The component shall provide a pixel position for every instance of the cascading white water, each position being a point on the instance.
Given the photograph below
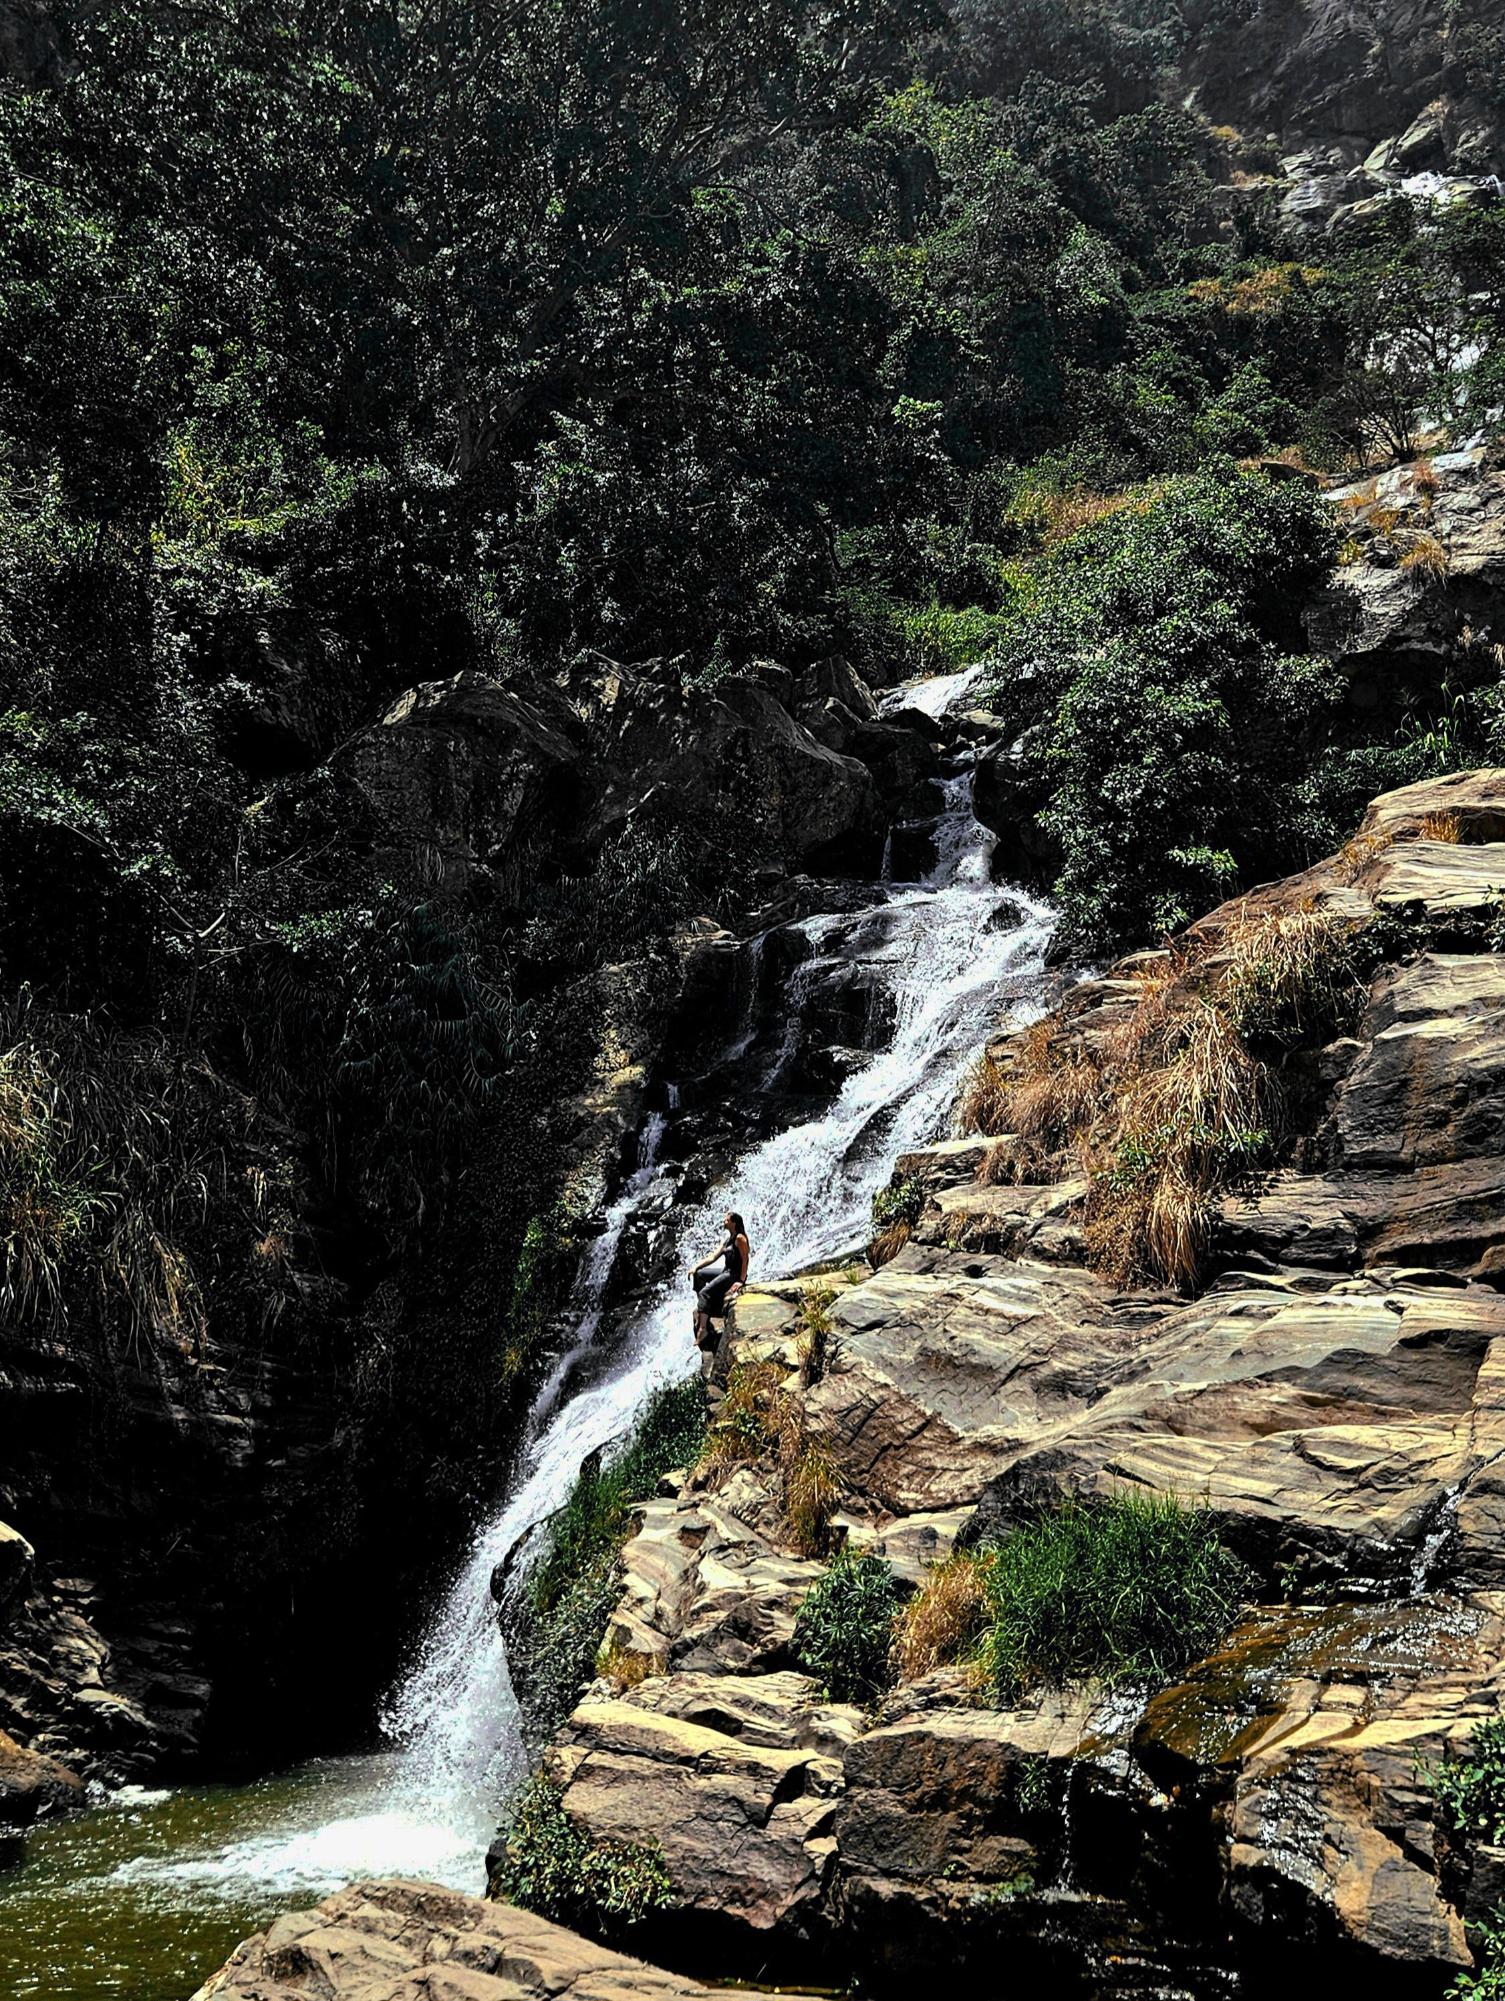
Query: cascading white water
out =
(948, 954)
(948, 962)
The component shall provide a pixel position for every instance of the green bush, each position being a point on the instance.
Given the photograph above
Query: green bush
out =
(555, 1632)
(900, 1202)
(1127, 1589)
(550, 1866)
(846, 1627)
(1471, 1790)
(1167, 715)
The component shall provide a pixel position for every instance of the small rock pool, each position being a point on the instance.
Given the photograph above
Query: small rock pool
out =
(142, 1897)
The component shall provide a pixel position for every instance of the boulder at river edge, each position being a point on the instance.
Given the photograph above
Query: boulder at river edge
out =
(397, 1941)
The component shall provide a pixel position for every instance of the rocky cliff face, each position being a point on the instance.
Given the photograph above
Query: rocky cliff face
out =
(1329, 1388)
(1331, 106)
(205, 1527)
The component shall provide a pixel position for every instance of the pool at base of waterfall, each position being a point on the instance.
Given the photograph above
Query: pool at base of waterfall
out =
(146, 1894)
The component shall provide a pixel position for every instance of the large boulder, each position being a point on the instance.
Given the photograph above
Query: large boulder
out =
(744, 1825)
(729, 751)
(460, 778)
(33, 1786)
(17, 1560)
(402, 1941)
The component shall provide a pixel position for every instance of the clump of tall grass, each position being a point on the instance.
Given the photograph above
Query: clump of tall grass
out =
(111, 1153)
(1445, 826)
(1131, 1588)
(944, 1619)
(1183, 1097)
(758, 1421)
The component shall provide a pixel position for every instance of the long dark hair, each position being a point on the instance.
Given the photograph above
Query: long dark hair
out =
(739, 1228)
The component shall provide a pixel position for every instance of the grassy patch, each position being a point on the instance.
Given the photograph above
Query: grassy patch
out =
(550, 1866)
(1128, 1589)
(1184, 1097)
(845, 1628)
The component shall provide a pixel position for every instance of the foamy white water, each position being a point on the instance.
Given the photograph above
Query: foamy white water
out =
(948, 953)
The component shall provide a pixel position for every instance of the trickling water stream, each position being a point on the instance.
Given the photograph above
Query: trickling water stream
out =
(947, 953)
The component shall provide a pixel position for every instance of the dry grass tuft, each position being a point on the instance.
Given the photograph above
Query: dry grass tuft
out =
(808, 1489)
(943, 1618)
(889, 1241)
(746, 1422)
(625, 1666)
(1425, 482)
(1426, 557)
(1184, 1096)
(1356, 855)
(1442, 827)
(983, 1104)
(758, 1420)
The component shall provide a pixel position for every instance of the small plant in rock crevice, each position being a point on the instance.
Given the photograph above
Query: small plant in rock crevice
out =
(1470, 1789)
(845, 1629)
(552, 1867)
(896, 1210)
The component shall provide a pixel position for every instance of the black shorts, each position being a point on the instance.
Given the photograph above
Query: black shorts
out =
(711, 1297)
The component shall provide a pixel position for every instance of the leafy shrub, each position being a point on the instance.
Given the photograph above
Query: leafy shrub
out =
(1128, 1589)
(1172, 716)
(1470, 1790)
(1487, 1981)
(846, 1626)
(550, 1866)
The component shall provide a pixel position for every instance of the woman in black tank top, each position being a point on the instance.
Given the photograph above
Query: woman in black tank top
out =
(719, 1278)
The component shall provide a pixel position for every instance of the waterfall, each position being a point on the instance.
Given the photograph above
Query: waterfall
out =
(947, 955)
(949, 951)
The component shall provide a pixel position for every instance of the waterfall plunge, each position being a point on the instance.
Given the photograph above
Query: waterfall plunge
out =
(949, 952)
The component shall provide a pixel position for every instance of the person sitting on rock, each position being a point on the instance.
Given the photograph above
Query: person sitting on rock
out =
(725, 1275)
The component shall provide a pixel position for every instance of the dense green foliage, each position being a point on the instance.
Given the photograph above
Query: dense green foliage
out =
(556, 1628)
(550, 1866)
(347, 347)
(1128, 1589)
(845, 1628)
(1172, 720)
(1470, 1790)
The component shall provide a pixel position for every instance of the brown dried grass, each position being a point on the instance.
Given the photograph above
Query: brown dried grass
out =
(1184, 1096)
(1427, 557)
(945, 1615)
(1445, 826)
